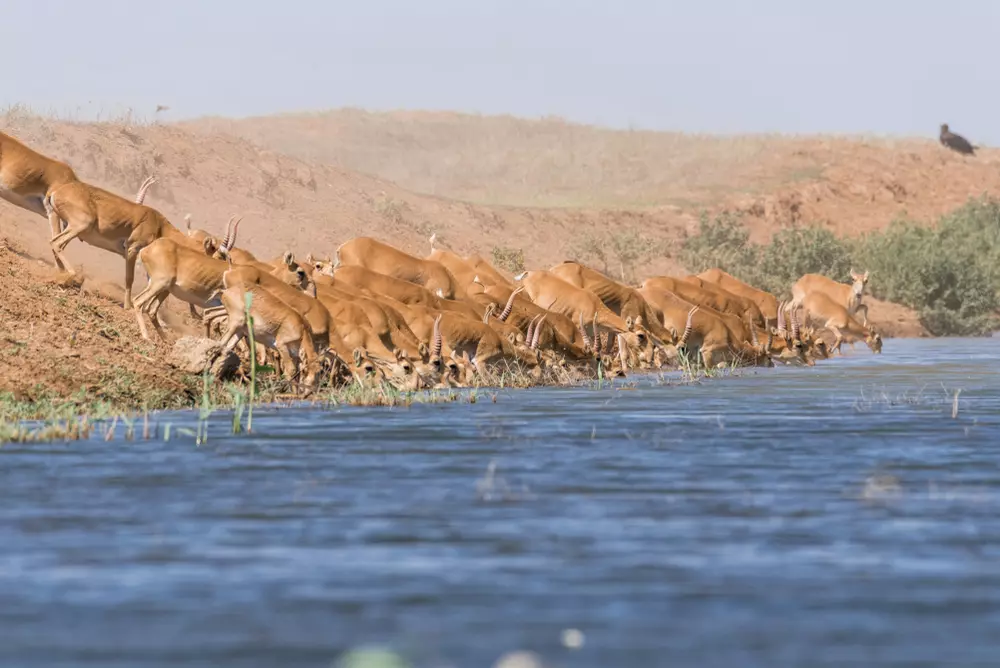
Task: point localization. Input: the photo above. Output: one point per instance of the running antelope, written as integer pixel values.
(191, 275)
(28, 178)
(849, 296)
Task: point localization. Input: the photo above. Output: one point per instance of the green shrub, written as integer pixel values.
(949, 273)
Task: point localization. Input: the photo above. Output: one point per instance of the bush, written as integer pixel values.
(618, 252)
(949, 273)
(510, 259)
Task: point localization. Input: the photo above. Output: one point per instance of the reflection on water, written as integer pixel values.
(831, 515)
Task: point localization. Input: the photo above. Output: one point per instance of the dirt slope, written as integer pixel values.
(58, 343)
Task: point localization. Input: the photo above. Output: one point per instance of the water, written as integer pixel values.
(832, 515)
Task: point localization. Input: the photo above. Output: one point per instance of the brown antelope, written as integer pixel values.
(193, 276)
(105, 220)
(485, 349)
(558, 332)
(385, 259)
(717, 300)
(276, 325)
(719, 340)
(623, 300)
(486, 272)
(765, 301)
(849, 296)
(843, 326)
(313, 312)
(550, 292)
(27, 178)
(463, 272)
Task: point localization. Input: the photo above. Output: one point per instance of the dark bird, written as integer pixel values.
(956, 142)
(161, 107)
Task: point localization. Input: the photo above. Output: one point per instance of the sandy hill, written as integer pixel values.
(852, 184)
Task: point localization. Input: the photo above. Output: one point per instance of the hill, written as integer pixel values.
(851, 184)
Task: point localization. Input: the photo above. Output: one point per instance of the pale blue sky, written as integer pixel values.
(887, 67)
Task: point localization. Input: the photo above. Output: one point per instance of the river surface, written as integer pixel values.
(845, 514)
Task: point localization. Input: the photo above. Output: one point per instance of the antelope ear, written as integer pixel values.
(638, 321)
(310, 259)
(629, 324)
(357, 356)
(422, 349)
(210, 245)
(288, 258)
(866, 275)
(398, 354)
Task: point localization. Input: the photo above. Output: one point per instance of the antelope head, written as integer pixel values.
(859, 283)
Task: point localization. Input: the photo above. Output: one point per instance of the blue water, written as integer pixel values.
(827, 516)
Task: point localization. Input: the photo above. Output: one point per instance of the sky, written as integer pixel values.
(718, 66)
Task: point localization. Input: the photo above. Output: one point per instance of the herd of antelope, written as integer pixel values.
(371, 310)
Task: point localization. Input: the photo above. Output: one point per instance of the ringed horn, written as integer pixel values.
(586, 339)
(795, 324)
(688, 328)
(510, 304)
(782, 332)
(141, 195)
(538, 330)
(231, 228)
(436, 338)
(531, 328)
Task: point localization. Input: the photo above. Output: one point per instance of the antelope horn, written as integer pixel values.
(795, 324)
(531, 328)
(753, 333)
(187, 222)
(583, 330)
(538, 330)
(141, 195)
(229, 231)
(770, 340)
(781, 319)
(231, 242)
(488, 312)
(688, 328)
(510, 304)
(436, 338)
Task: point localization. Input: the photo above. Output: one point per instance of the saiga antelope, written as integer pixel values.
(849, 296)
(385, 259)
(842, 325)
(27, 178)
